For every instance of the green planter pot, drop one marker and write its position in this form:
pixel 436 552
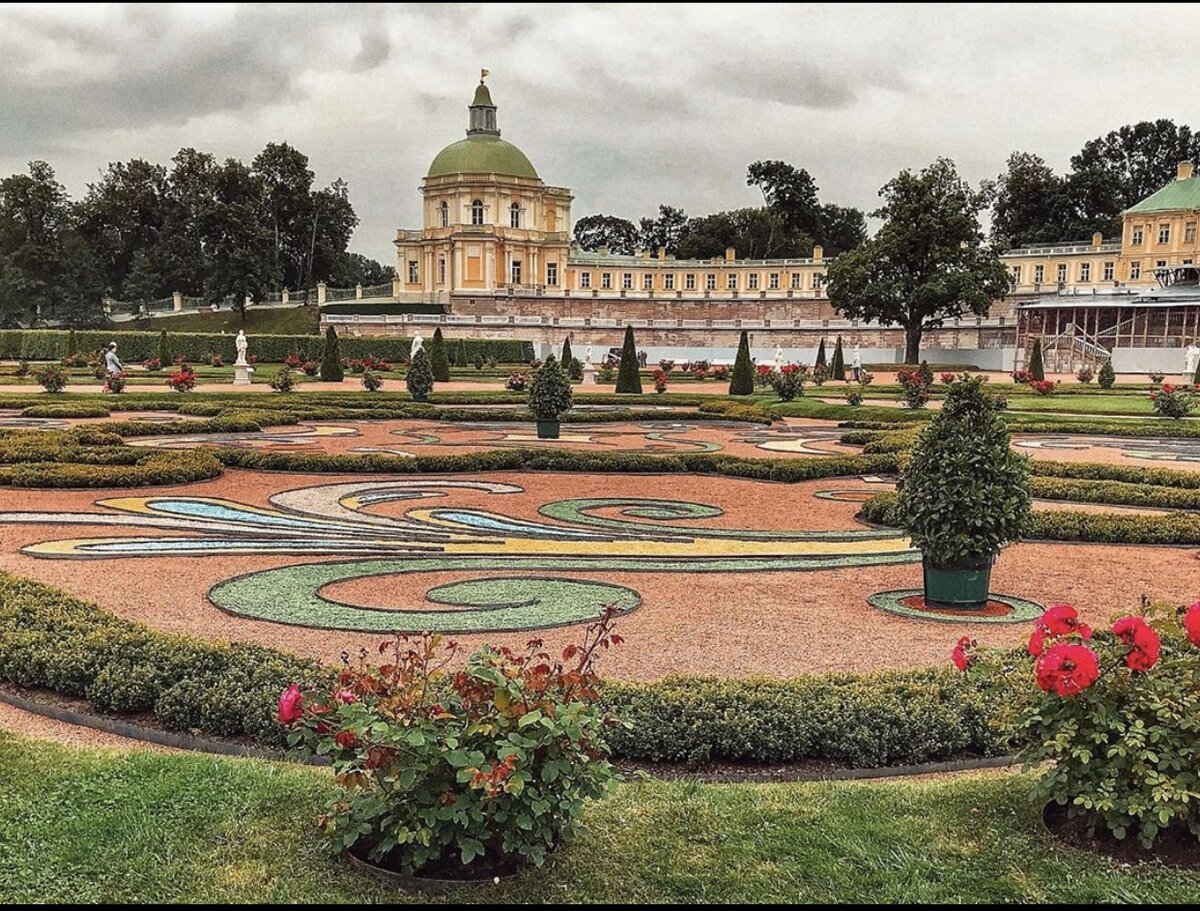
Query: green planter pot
pixel 961 587
pixel 420 397
pixel 547 430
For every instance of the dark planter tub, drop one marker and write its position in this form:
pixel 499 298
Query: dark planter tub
pixel 961 587
pixel 446 875
pixel 547 430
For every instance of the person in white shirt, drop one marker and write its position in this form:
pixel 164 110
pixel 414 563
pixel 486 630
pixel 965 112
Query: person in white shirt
pixel 856 365
pixel 112 363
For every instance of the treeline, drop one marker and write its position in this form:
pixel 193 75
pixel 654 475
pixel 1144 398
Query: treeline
pixel 791 221
pixel 203 227
pixel 1033 205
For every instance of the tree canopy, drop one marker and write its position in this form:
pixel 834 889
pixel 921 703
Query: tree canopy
pixel 595 231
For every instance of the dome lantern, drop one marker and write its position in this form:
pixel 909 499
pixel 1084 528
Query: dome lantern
pixel 483 151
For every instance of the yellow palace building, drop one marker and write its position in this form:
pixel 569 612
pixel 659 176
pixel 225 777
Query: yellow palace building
pixel 495 251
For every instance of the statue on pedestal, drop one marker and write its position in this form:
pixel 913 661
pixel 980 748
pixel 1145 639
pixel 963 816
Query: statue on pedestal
pixel 241 344
pixel 417 344
pixel 778 358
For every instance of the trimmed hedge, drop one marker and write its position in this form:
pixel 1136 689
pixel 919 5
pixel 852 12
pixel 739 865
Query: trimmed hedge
pixel 50 640
pixel 199 347
pixel 67 410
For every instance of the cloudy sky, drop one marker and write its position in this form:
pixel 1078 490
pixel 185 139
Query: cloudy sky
pixel 629 106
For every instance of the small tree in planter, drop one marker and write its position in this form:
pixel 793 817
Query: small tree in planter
pixel 628 378
pixel 963 496
pixel 419 378
pixel 549 398
pixel 1035 368
pixel 1107 376
pixel 331 359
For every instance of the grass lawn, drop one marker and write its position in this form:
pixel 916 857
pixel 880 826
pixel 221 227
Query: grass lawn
pixel 283 321
pixel 90 826
pixel 1084 404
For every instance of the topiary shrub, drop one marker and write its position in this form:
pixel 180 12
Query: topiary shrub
pixel 1035 368
pixel 331 359
pixel 283 381
pixel 741 381
pixel 419 378
pixel 964 493
pixel 1107 376
pixel 837 369
pixel 820 361
pixel 164 349
pixel 549 393
pixel 439 362
pixel 628 379
pixel 371 381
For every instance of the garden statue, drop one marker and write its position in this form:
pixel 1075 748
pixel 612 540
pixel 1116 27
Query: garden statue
pixel 587 357
pixel 589 369
pixel 778 359
pixel 1191 357
pixel 241 344
pixel 241 368
pixel 417 344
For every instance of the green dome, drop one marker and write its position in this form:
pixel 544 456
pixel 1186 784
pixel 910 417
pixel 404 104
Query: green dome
pixel 482 153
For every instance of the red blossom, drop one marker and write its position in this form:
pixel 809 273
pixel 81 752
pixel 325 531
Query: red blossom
pixel 347 740
pixel 963 653
pixel 1067 669
pixel 1144 643
pixel 291 705
pixel 1191 623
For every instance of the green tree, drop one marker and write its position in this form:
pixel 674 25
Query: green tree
pixel 820 362
pixel 754 233
pixel 838 368
pixel 790 191
pixel 1107 376
pixel 419 379
pixel 164 349
pixel 927 263
pixel 595 231
pixel 331 359
pixel 123 214
pixel 741 381
pixel 567 355
pixel 628 378
pixel 438 360
pixel 1036 369
pixel 843 228
pixel 1031 204
pixel 549 392
pixel 665 231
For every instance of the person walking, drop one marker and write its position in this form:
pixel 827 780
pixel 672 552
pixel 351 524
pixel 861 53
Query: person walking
pixel 112 363
pixel 856 365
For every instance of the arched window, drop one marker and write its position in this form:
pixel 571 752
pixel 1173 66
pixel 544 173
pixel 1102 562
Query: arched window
pixel 514 215
pixel 445 215
pixel 477 211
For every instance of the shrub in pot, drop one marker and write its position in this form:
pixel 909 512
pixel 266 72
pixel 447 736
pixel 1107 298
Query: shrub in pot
pixel 52 377
pixel 1107 376
pixel 458 773
pixel 549 398
pixel 419 378
pixel 963 495
pixel 283 381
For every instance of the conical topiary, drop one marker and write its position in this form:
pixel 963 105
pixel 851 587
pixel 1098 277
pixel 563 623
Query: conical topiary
pixel 331 359
pixel 838 368
pixel 1036 369
pixel 419 378
pixel 439 362
pixel 820 354
pixel 567 356
pixel 1107 376
pixel 164 349
pixel 741 381
pixel 72 343
pixel 628 379
pixel 549 392
pixel 462 353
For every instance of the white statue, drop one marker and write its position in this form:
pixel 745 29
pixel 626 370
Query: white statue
pixel 417 344
pixel 241 344
pixel 587 357
pixel 856 364
pixel 778 358
pixel 1191 357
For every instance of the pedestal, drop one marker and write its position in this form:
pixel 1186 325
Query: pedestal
pixel 241 374
pixel 589 375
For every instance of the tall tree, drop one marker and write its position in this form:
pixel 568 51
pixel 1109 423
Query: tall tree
pixel 1141 158
pixel 239 243
pixel 1030 204
pixel 927 263
pixel 754 233
pixel 663 232
pixel 356 269
pixel 286 192
pixel 183 256
pixel 628 378
pixel 595 231
pixel 790 191
pixel 843 228
pixel 123 214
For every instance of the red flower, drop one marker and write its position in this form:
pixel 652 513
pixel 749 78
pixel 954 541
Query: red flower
pixel 346 696
pixel 291 705
pixel 1067 669
pixel 1144 643
pixel 1058 620
pixel 963 653
pixel 1037 642
pixel 347 740
pixel 1191 623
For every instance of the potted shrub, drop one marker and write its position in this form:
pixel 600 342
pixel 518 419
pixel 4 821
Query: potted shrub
pixel 457 770
pixel 283 381
pixel 371 381
pixel 549 398
pixel 419 378
pixel 52 377
pixel 963 495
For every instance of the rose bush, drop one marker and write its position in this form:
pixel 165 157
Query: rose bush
pixel 183 379
pixel 1116 729
pixel 489 763
pixel 788 381
pixel 914 385
pixel 1172 401
pixel 52 377
pixel 114 383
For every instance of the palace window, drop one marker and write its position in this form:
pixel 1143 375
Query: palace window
pixel 1039 274
pixel 1135 271
pixel 585 279
pixel 710 281
pixel 1189 233
pixel 818 280
pixel 1160 264
pixel 445 215
pixel 552 274
pixel 627 281
pixel 1164 234
pixel 1109 271
pixel 773 281
pixel 1135 238
pixel 514 216
pixel 669 281
pixel 414 274
pixel 797 280
pixel 731 282
pixel 647 281
pixel 441 270
pixel 477 211
pixel 605 279
pixel 689 281
pixel 1085 272
pixel 1062 272
pixel 516 272
pixel 1016 275
pixel 752 281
